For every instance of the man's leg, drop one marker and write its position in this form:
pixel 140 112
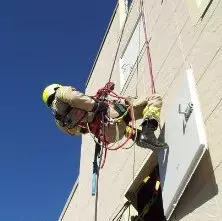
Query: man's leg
pixel 151 115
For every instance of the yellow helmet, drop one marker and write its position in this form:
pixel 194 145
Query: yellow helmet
pixel 49 93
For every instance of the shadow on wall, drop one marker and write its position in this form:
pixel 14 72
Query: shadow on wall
pixel 205 11
pixel 201 188
pixel 163 154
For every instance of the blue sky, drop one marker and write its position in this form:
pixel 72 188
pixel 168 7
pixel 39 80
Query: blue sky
pixel 42 42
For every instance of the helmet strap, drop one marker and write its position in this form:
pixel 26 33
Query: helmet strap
pixel 51 98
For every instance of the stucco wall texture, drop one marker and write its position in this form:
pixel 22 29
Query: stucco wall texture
pixel 175 43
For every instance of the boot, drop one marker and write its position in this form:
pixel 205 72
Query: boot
pixel 146 138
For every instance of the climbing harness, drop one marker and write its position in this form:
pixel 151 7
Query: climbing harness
pixel 71 118
pixel 127 114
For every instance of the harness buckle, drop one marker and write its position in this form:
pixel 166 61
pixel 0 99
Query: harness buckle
pixel 111 120
pixel 108 121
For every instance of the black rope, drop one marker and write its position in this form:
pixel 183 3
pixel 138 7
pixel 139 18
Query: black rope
pixel 97 188
pixel 98 170
pixel 119 215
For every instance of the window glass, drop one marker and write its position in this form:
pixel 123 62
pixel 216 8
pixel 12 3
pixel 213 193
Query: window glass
pixel 132 50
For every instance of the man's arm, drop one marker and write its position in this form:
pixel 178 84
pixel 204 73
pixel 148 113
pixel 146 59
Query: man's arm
pixel 79 100
pixel 75 98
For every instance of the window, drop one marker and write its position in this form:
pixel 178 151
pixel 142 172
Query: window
pixel 145 196
pixel 131 52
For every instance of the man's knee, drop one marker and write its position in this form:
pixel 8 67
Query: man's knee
pixel 153 107
pixel 155 100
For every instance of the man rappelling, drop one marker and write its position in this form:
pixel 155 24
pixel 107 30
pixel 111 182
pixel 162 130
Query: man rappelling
pixel 77 113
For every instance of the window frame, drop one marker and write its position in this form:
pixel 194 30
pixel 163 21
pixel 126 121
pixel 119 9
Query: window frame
pixel 123 82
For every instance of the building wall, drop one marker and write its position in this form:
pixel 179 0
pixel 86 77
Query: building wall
pixel 200 45
pixel 175 43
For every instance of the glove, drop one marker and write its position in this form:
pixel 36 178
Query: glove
pixel 100 107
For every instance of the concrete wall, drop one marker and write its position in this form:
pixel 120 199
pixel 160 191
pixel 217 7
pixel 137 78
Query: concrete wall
pixel 200 45
pixel 175 44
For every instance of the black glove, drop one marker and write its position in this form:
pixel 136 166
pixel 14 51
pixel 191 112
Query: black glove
pixel 100 107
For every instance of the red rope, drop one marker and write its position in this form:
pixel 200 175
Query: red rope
pixel 153 90
pixel 109 92
pixel 113 94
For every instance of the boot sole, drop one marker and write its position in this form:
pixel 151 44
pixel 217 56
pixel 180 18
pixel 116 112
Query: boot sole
pixel 149 146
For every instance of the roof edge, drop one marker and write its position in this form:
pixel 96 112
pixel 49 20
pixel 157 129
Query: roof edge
pixel 69 200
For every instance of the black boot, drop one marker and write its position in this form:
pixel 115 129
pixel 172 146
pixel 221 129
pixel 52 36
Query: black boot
pixel 146 138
